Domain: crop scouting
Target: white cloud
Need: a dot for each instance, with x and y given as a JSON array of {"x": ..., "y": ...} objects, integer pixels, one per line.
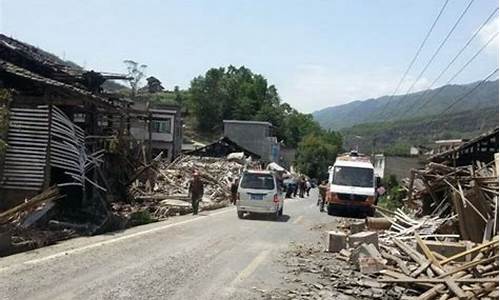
[
  {"x": 486, "y": 33},
  {"x": 314, "y": 87}
]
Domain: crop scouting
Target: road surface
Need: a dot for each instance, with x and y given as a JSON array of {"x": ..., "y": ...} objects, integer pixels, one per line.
[{"x": 211, "y": 256}]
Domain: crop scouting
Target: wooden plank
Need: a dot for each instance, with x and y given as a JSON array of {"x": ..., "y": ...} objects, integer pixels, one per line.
[
  {"x": 437, "y": 280},
  {"x": 20, "y": 187},
  {"x": 11, "y": 175},
  {"x": 475, "y": 249},
  {"x": 23, "y": 159},
  {"x": 27, "y": 143},
  {"x": 14, "y": 155},
  {"x": 19, "y": 109},
  {"x": 13, "y": 171},
  {"x": 469, "y": 265},
  {"x": 23, "y": 183},
  {"x": 21, "y": 130},
  {"x": 427, "y": 251},
  {"x": 453, "y": 286}
]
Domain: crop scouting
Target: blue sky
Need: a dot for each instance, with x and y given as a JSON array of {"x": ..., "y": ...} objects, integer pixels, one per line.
[{"x": 317, "y": 53}]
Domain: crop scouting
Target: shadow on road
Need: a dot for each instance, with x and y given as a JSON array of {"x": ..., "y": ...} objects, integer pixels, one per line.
[{"x": 263, "y": 217}]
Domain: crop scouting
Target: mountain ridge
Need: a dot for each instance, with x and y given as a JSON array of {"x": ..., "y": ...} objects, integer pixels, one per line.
[{"x": 405, "y": 107}]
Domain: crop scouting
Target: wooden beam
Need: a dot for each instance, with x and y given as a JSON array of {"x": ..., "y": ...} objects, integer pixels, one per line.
[{"x": 470, "y": 251}]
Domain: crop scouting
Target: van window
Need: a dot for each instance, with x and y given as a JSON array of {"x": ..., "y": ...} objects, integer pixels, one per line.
[
  {"x": 352, "y": 176},
  {"x": 257, "y": 181}
]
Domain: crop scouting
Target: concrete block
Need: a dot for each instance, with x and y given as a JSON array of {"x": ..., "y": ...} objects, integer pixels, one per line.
[
  {"x": 446, "y": 249},
  {"x": 365, "y": 237},
  {"x": 336, "y": 241},
  {"x": 370, "y": 265},
  {"x": 367, "y": 259},
  {"x": 357, "y": 227}
]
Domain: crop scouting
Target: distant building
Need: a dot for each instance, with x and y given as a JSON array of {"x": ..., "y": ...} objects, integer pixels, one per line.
[
  {"x": 445, "y": 145},
  {"x": 255, "y": 136},
  {"x": 481, "y": 148},
  {"x": 166, "y": 128},
  {"x": 417, "y": 150}
]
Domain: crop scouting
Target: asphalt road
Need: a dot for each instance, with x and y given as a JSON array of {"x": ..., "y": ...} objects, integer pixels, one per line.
[{"x": 211, "y": 256}]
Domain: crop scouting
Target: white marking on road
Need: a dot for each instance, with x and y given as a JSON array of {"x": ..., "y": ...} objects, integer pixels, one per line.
[
  {"x": 298, "y": 220},
  {"x": 117, "y": 239},
  {"x": 252, "y": 266}
]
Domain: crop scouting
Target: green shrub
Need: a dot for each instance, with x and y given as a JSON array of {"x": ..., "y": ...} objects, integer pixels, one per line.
[{"x": 141, "y": 217}]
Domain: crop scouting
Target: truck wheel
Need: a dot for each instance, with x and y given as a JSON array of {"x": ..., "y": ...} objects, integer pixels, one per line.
[{"x": 240, "y": 214}]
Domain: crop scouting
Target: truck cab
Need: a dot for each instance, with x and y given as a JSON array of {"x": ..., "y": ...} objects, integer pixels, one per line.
[{"x": 351, "y": 186}]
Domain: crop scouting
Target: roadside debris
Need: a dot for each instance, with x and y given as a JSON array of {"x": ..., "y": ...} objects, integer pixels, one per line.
[
  {"x": 468, "y": 192},
  {"x": 442, "y": 245},
  {"x": 161, "y": 188}
]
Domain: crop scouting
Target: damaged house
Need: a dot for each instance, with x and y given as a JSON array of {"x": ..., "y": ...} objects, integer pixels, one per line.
[{"x": 58, "y": 121}]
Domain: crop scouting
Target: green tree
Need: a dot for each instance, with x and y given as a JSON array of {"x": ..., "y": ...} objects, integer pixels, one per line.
[{"x": 315, "y": 153}]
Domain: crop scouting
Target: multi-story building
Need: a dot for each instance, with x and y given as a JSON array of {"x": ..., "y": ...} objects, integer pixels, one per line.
[
  {"x": 255, "y": 136},
  {"x": 166, "y": 128}
]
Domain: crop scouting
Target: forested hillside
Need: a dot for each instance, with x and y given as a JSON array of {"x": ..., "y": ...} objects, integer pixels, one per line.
[
  {"x": 395, "y": 138},
  {"x": 421, "y": 104}
]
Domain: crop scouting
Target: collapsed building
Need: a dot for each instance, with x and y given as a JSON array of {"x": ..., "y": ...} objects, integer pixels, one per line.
[{"x": 58, "y": 118}]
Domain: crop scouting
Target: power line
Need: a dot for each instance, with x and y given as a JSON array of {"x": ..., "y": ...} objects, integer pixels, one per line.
[
  {"x": 436, "y": 52},
  {"x": 416, "y": 54},
  {"x": 453, "y": 61},
  {"x": 492, "y": 38},
  {"x": 468, "y": 93}
]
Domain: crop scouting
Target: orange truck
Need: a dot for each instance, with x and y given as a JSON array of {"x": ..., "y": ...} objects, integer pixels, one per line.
[{"x": 351, "y": 186}]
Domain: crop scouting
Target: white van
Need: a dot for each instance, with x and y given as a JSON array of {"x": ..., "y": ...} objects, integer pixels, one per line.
[{"x": 259, "y": 192}]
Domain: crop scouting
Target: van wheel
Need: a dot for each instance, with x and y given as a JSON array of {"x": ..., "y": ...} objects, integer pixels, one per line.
[
  {"x": 240, "y": 214},
  {"x": 329, "y": 209}
]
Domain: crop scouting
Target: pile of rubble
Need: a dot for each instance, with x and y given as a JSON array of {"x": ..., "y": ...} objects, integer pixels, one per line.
[
  {"x": 161, "y": 188},
  {"x": 442, "y": 245},
  {"x": 469, "y": 192},
  {"x": 26, "y": 226},
  {"x": 407, "y": 261}
]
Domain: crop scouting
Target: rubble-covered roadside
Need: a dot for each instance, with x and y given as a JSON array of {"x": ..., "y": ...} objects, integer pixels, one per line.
[
  {"x": 157, "y": 191},
  {"x": 314, "y": 273},
  {"x": 358, "y": 262},
  {"x": 160, "y": 190},
  {"x": 442, "y": 245}
]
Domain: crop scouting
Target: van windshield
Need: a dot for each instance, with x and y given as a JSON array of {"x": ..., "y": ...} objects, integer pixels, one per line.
[
  {"x": 257, "y": 181},
  {"x": 352, "y": 176}
]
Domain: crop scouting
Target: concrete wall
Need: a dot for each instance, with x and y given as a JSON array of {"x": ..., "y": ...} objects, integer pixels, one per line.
[
  {"x": 255, "y": 137},
  {"x": 400, "y": 166}
]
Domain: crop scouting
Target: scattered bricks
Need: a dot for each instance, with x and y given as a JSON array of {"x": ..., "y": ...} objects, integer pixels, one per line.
[
  {"x": 336, "y": 241},
  {"x": 365, "y": 237},
  {"x": 446, "y": 249},
  {"x": 357, "y": 227},
  {"x": 370, "y": 265}
]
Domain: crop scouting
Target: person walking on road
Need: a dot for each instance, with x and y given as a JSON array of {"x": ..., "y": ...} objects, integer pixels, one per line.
[
  {"x": 308, "y": 187},
  {"x": 322, "y": 195},
  {"x": 302, "y": 187},
  {"x": 196, "y": 191},
  {"x": 234, "y": 190}
]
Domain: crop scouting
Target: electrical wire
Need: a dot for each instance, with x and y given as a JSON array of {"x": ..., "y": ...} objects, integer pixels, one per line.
[
  {"x": 416, "y": 55},
  {"x": 467, "y": 94},
  {"x": 492, "y": 38},
  {"x": 436, "y": 52},
  {"x": 451, "y": 62}
]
